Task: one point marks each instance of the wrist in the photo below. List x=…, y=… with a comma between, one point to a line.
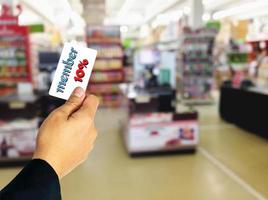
x=50, y=161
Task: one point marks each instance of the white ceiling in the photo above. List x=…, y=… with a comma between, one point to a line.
x=60, y=13
x=137, y=11
x=140, y=11
x=126, y=12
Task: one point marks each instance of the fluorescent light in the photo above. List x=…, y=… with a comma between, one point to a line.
x=245, y=8
x=156, y=7
x=123, y=29
x=256, y=13
x=165, y=18
x=132, y=19
x=56, y=12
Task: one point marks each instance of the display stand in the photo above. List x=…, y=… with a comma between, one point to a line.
x=197, y=66
x=153, y=127
x=108, y=69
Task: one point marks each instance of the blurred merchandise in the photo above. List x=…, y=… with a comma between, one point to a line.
x=107, y=77
x=107, y=64
x=108, y=69
x=198, y=67
x=15, y=64
x=17, y=139
x=238, y=61
x=101, y=34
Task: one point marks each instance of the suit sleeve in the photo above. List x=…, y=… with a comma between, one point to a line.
x=37, y=180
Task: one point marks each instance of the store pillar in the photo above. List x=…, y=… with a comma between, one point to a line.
x=196, y=14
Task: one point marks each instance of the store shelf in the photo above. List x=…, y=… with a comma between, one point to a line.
x=109, y=58
x=109, y=70
x=106, y=82
x=105, y=41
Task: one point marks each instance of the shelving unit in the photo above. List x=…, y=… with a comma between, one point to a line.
x=197, y=66
x=18, y=116
x=108, y=70
x=14, y=53
x=259, y=49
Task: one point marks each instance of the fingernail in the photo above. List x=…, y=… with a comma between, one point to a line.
x=79, y=92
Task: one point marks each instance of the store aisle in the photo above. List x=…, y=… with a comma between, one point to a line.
x=111, y=174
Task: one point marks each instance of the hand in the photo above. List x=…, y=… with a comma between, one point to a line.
x=67, y=136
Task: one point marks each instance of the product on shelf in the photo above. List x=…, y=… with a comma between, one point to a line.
x=111, y=100
x=104, y=88
x=257, y=47
x=107, y=64
x=258, y=59
x=238, y=60
x=108, y=50
x=103, y=34
x=113, y=76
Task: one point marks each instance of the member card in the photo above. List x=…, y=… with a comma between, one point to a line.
x=73, y=70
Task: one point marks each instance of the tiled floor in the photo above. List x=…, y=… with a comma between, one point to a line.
x=231, y=164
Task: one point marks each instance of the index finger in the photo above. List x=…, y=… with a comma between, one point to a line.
x=89, y=107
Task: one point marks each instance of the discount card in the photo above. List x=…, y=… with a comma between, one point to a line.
x=73, y=70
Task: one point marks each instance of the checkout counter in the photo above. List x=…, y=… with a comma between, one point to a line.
x=153, y=126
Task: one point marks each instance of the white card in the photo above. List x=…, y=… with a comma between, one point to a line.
x=73, y=70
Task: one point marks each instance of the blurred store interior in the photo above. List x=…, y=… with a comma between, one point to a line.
x=183, y=86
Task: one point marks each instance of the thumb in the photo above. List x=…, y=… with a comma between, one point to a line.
x=74, y=102
x=89, y=107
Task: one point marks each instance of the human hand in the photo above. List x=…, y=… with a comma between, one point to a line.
x=67, y=136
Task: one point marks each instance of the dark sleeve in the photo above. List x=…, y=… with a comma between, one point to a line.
x=37, y=180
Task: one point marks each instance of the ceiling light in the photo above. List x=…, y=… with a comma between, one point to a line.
x=132, y=19
x=206, y=17
x=165, y=18
x=123, y=29
x=256, y=13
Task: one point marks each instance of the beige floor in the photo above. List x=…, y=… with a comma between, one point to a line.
x=231, y=164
